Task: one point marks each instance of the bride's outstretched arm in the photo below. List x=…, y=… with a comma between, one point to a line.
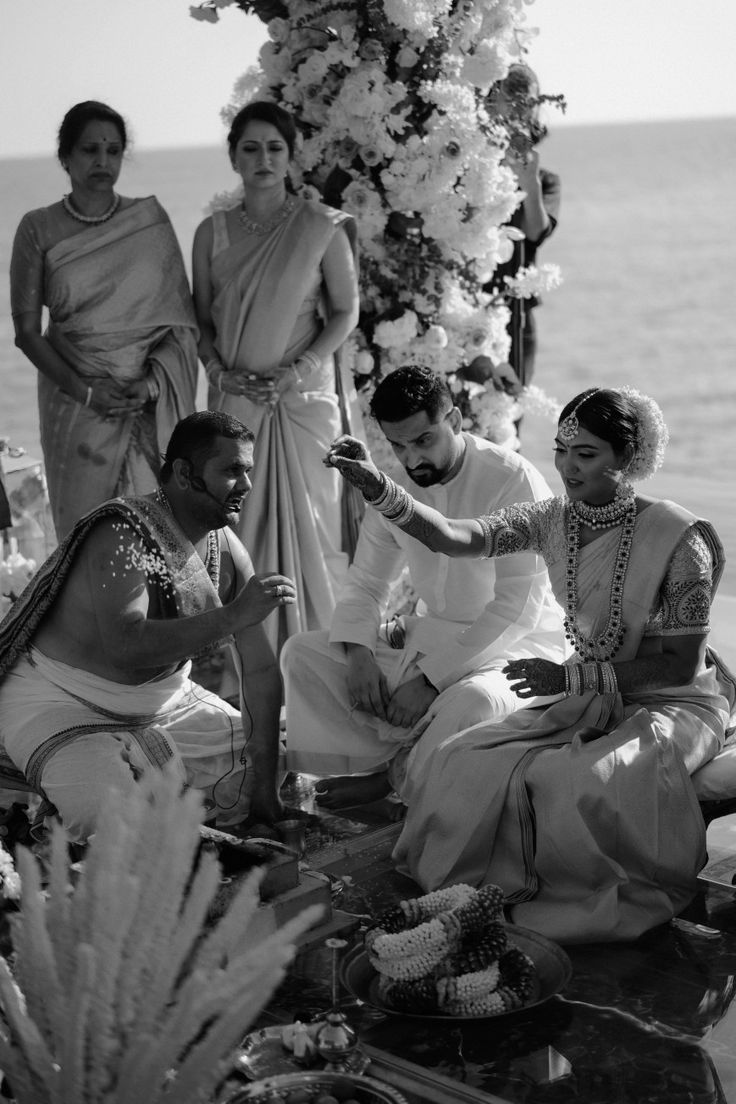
x=452, y=536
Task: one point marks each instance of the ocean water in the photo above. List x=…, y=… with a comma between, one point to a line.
x=645, y=243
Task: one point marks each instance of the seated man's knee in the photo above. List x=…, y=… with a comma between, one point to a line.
x=474, y=700
x=79, y=778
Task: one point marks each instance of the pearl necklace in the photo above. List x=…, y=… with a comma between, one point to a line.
x=254, y=227
x=212, y=559
x=603, y=647
x=91, y=220
x=608, y=515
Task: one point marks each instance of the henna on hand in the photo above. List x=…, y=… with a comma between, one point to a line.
x=531, y=678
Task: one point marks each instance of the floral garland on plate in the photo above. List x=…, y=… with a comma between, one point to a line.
x=391, y=100
x=448, y=953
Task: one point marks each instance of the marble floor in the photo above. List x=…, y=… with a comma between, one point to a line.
x=648, y=1022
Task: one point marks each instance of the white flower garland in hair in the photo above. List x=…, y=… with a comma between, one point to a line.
x=652, y=435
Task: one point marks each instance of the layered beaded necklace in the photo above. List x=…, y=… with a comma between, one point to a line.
x=608, y=515
x=212, y=559
x=603, y=647
x=254, y=227
x=91, y=220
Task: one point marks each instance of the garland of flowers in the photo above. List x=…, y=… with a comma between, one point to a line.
x=391, y=100
x=448, y=952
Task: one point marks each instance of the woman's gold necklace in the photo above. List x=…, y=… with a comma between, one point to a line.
x=91, y=220
x=604, y=646
x=253, y=226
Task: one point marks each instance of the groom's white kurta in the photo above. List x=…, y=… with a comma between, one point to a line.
x=472, y=616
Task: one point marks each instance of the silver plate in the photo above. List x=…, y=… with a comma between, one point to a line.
x=263, y=1054
x=278, y=1088
x=552, y=965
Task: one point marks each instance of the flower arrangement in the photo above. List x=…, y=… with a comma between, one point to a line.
x=118, y=992
x=391, y=97
x=652, y=435
x=9, y=878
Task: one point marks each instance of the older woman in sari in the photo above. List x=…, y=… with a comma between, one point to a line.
x=275, y=291
x=582, y=810
x=118, y=363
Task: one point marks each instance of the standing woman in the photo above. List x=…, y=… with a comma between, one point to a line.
x=276, y=295
x=118, y=362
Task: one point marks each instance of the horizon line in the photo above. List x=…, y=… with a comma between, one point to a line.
x=559, y=122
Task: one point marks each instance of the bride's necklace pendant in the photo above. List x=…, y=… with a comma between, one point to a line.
x=601, y=648
x=255, y=227
x=91, y=220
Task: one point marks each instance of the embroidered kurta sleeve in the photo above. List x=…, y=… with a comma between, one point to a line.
x=686, y=591
x=26, y=269
x=376, y=565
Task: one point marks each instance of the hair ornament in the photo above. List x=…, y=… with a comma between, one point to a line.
x=652, y=435
x=570, y=426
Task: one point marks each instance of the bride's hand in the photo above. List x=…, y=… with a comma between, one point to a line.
x=530, y=678
x=352, y=460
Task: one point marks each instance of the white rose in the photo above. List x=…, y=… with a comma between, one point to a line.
x=436, y=337
x=398, y=332
x=407, y=57
x=364, y=363
x=278, y=29
x=313, y=69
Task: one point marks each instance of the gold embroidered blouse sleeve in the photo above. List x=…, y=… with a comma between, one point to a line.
x=523, y=527
x=686, y=591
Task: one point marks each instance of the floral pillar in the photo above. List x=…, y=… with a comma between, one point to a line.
x=390, y=97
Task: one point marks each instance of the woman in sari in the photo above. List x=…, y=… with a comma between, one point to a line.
x=118, y=363
x=582, y=810
x=276, y=295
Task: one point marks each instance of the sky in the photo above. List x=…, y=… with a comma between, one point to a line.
x=169, y=75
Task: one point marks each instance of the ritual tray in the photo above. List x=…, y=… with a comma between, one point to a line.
x=552, y=965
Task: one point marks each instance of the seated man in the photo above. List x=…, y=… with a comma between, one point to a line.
x=94, y=678
x=361, y=694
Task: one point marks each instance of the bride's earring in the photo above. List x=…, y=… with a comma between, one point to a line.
x=624, y=489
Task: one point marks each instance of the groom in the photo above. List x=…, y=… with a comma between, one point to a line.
x=370, y=696
x=94, y=679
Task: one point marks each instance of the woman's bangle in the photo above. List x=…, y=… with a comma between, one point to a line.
x=88, y=397
x=598, y=677
x=310, y=359
x=396, y=505
x=214, y=369
x=609, y=682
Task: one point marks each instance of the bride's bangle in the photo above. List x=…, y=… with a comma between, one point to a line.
x=396, y=505
x=598, y=677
